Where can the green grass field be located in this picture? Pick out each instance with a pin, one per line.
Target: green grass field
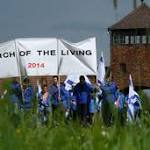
(22, 131)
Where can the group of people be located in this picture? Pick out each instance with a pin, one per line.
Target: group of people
(79, 103)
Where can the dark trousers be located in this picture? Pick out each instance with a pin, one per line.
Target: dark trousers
(83, 112)
(107, 112)
(54, 112)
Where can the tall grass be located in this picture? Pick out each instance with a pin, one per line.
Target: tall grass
(23, 131)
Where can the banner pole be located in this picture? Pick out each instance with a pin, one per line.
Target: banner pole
(19, 70)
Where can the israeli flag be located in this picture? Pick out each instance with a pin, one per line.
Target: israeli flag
(134, 102)
(131, 88)
(39, 87)
(101, 70)
(72, 80)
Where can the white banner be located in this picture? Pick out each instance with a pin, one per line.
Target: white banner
(77, 58)
(8, 62)
(38, 56)
(47, 56)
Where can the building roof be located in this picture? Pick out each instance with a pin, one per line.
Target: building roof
(137, 19)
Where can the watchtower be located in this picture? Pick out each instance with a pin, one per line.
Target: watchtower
(130, 48)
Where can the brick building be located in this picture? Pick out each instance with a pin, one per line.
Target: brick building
(130, 48)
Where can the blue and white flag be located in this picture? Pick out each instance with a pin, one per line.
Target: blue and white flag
(133, 101)
(39, 87)
(132, 92)
(101, 70)
(72, 80)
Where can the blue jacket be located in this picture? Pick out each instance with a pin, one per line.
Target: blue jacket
(108, 91)
(54, 93)
(28, 97)
(83, 93)
(65, 97)
(16, 94)
(121, 99)
(92, 106)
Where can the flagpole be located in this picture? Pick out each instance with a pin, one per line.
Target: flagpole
(96, 67)
(97, 73)
(101, 70)
(19, 70)
(58, 68)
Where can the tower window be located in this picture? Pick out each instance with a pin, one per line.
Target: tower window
(118, 39)
(144, 39)
(126, 39)
(122, 39)
(132, 40)
(138, 39)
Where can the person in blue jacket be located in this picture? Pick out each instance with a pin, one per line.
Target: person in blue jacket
(92, 106)
(108, 99)
(54, 92)
(44, 104)
(82, 93)
(16, 94)
(28, 94)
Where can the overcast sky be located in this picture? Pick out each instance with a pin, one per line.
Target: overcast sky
(73, 20)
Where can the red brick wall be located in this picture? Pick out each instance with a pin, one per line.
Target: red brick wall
(48, 79)
(137, 60)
